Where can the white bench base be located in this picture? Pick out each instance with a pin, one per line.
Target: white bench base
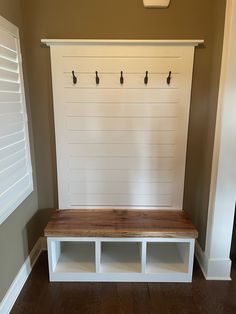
(120, 259)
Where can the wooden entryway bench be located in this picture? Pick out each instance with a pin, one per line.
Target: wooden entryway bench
(120, 245)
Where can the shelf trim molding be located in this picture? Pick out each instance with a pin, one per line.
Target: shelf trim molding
(160, 42)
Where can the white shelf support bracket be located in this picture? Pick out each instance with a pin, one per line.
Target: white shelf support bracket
(144, 257)
(98, 256)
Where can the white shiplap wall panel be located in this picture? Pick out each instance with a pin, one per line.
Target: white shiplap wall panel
(121, 163)
(121, 137)
(132, 188)
(122, 110)
(124, 200)
(15, 162)
(147, 176)
(121, 145)
(128, 65)
(142, 95)
(121, 150)
(121, 124)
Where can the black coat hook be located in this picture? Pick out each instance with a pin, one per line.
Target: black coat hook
(168, 78)
(97, 78)
(146, 78)
(121, 78)
(74, 77)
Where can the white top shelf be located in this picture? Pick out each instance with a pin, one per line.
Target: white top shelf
(167, 42)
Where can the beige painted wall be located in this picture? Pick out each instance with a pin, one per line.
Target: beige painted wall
(121, 19)
(107, 19)
(202, 124)
(124, 19)
(21, 230)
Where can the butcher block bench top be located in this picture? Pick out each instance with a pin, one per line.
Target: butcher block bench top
(120, 223)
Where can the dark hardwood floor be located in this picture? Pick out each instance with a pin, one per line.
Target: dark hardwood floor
(39, 296)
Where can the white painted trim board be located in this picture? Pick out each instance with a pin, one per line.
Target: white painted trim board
(222, 187)
(180, 42)
(20, 279)
(212, 269)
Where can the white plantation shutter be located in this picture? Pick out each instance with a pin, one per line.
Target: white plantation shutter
(15, 162)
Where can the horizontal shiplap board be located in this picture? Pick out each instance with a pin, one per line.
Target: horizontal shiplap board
(10, 107)
(11, 139)
(11, 159)
(116, 163)
(12, 174)
(8, 54)
(9, 86)
(120, 50)
(112, 80)
(8, 65)
(123, 110)
(5, 152)
(134, 176)
(10, 97)
(119, 188)
(142, 95)
(121, 124)
(120, 200)
(11, 128)
(9, 76)
(122, 137)
(7, 41)
(130, 65)
(123, 150)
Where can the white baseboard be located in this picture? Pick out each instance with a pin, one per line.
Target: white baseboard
(20, 279)
(44, 245)
(213, 269)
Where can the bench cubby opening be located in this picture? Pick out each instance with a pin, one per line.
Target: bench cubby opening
(73, 256)
(167, 257)
(121, 257)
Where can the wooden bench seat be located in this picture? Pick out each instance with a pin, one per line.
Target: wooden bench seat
(120, 245)
(120, 223)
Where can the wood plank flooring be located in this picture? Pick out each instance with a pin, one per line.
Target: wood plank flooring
(39, 296)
